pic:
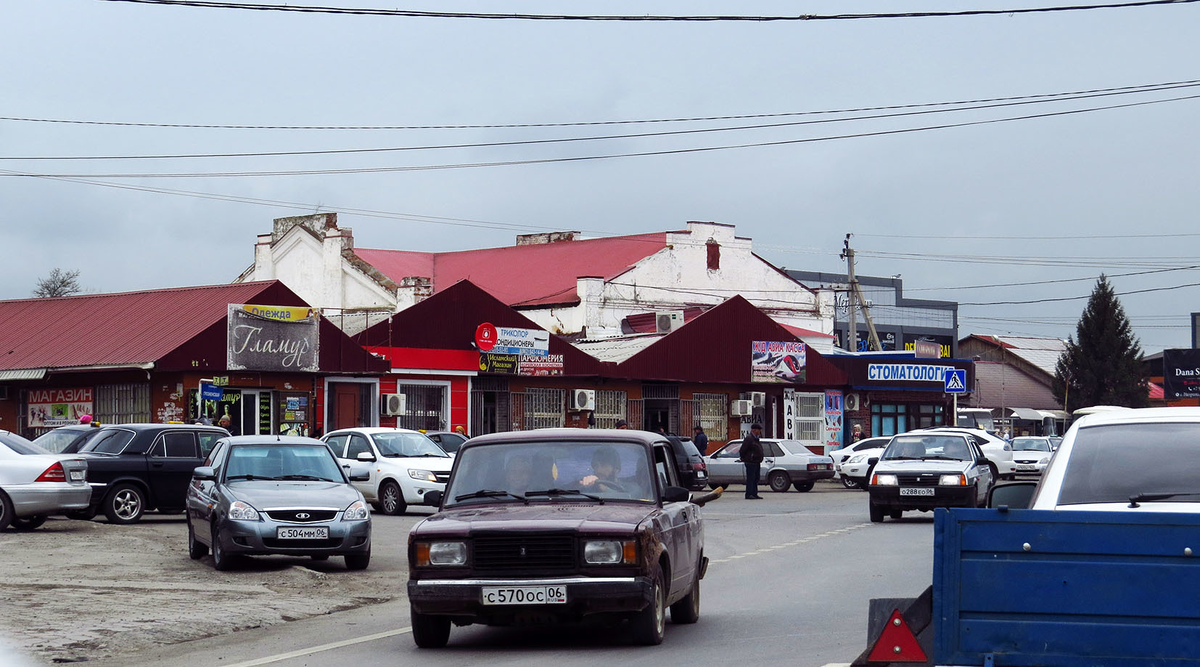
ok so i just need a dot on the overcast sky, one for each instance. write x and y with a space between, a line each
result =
1116 187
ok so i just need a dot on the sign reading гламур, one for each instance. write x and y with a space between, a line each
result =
521 341
907 373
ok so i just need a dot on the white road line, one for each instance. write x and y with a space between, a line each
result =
323 647
764 550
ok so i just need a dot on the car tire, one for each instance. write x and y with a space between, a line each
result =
995 472
6 511
876 512
358 561
82 515
779 481
687 609
429 631
649 624
28 523
849 483
196 548
896 514
125 504
804 487
391 499
222 560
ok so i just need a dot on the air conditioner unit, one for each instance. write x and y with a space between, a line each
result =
758 399
741 408
582 399
668 321
393 404
852 402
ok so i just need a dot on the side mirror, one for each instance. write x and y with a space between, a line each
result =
676 494
984 460
1013 495
366 456
433 499
205 474
872 461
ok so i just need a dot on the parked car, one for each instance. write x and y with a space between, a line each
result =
35 483
449 441
280 495
1031 454
689 463
785 463
1055 441
67 439
995 448
857 468
403 465
1134 460
558 525
921 470
841 456
135 468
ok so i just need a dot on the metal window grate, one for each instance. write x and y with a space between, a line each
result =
713 415
122 404
810 419
424 407
539 408
610 408
668 391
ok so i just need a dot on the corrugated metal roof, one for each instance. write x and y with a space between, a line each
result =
617 349
125 329
1042 353
1002 385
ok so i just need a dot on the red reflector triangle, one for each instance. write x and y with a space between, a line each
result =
897 643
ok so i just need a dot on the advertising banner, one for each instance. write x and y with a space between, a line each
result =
541 366
774 361
272 338
833 420
1181 374
789 414
503 364
907 373
49 408
942 344
521 341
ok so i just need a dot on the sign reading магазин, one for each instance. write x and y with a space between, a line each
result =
1181 374
272 338
57 407
907 373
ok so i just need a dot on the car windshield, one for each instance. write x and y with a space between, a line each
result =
1030 445
20 445
552 472
950 447
406 444
282 462
1113 462
111 441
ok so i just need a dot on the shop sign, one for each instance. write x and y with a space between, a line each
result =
520 341
1181 374
211 392
926 349
789 414
833 419
941 344
541 366
221 381
907 373
887 339
49 408
501 364
776 361
272 338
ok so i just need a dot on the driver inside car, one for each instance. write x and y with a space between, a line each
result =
605 466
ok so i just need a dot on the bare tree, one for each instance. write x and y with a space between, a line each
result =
58 283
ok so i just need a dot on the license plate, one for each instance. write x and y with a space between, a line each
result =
1025 467
916 492
313 533
77 475
524 595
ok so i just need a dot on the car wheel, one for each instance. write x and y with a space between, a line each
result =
649 624
222 560
804 487
849 483
876 512
391 499
125 504
28 523
320 557
196 548
6 511
429 631
896 514
82 515
973 501
358 561
779 481
687 610
995 473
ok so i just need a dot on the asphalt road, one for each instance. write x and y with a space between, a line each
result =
789 581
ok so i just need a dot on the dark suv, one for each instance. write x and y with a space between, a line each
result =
138 467
693 471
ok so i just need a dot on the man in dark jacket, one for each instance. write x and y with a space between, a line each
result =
700 440
751 454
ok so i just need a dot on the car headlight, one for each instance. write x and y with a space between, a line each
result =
857 459
241 511
884 480
610 552
422 475
953 480
441 553
357 511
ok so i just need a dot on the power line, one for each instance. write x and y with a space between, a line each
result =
409 13
584 158
1077 298
1069 237
1053 282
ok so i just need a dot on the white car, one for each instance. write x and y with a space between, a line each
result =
857 468
404 465
996 449
1031 454
1138 460
35 483
856 450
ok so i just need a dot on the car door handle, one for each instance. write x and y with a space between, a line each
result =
156 465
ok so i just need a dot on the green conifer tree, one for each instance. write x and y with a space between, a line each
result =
1102 362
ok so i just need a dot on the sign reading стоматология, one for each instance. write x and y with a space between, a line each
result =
272 338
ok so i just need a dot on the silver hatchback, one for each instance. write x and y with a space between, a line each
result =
785 463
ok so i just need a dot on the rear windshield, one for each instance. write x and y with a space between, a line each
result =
1109 464
20 445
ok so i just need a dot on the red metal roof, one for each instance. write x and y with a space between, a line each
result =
800 332
129 328
523 275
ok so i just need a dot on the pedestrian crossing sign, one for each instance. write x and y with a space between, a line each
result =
956 381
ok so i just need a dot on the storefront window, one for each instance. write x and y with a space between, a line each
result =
888 419
424 407
539 408
810 418
610 408
713 415
929 416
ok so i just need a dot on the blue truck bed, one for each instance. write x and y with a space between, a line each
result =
1036 587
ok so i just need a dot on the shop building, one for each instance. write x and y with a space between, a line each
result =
892 393
1014 379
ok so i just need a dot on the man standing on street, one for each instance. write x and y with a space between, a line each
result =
700 440
751 454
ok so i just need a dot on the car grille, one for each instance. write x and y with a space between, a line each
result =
442 477
1025 461
275 543
919 479
509 553
294 516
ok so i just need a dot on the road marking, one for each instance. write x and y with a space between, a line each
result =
793 543
323 647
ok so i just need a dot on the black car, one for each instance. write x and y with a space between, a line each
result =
449 441
693 471
138 467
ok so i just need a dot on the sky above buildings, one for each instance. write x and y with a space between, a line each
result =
962 153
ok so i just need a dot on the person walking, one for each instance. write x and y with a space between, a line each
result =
700 440
751 454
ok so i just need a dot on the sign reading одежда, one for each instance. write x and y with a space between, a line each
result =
272 338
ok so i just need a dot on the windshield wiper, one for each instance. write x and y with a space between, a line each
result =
1133 500
308 478
564 492
489 493
248 476
903 458
939 457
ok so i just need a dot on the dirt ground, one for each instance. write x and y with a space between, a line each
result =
74 591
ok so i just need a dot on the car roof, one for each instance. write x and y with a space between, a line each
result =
1139 415
574 434
372 430
162 427
273 440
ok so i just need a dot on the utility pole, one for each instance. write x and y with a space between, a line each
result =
856 298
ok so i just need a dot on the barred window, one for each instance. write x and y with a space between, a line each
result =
543 408
810 418
424 407
122 404
713 415
610 408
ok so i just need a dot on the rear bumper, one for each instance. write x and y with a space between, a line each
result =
48 498
803 475
463 599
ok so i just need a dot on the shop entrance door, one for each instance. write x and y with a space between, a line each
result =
256 409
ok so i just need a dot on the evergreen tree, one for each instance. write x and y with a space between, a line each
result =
1102 362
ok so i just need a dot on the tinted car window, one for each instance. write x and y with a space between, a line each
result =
112 442
450 442
20 445
771 449
1112 463
358 445
216 456
179 445
337 443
